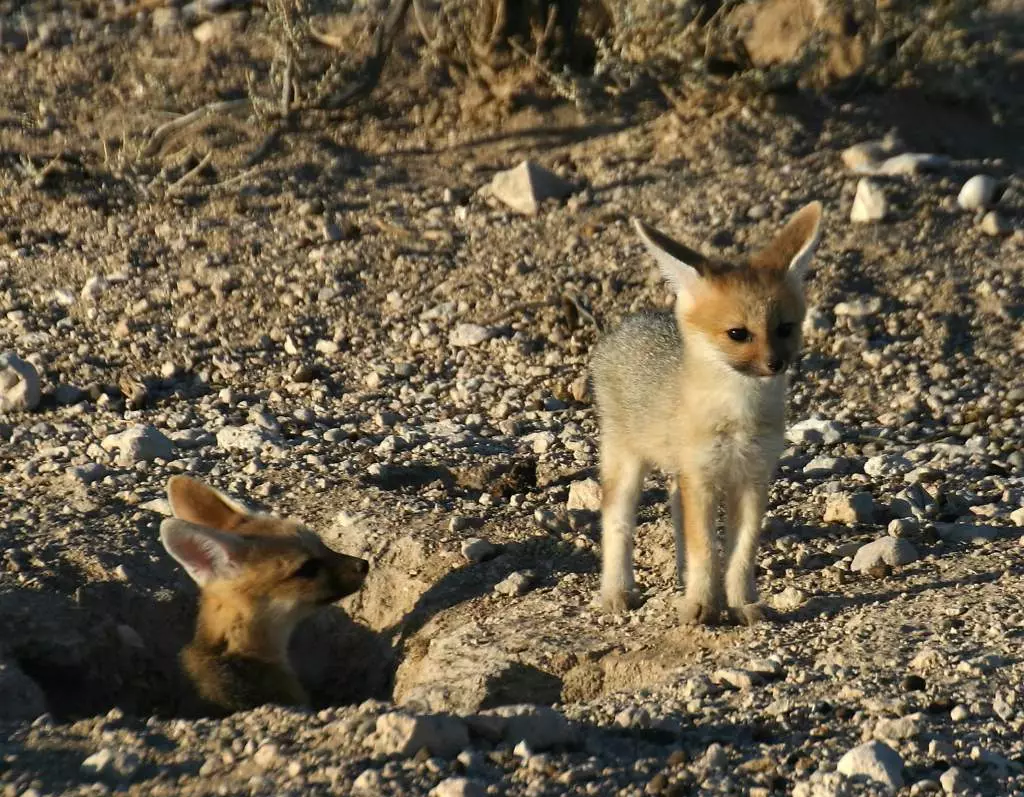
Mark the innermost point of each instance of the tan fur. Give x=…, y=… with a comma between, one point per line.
x=279, y=573
x=677, y=393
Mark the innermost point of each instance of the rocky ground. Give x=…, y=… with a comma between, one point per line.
x=358, y=331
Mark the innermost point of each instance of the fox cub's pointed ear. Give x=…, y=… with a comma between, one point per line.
x=206, y=554
x=792, y=248
x=195, y=502
x=680, y=265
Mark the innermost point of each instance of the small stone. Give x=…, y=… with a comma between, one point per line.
x=789, y=599
x=267, y=756
x=467, y=335
x=368, y=782
x=956, y=781
x=140, y=443
x=584, y=494
x=885, y=465
x=859, y=308
x=903, y=527
x=981, y=191
x=908, y=727
x=869, y=204
x=876, y=761
x=19, y=384
x=88, y=473
x=963, y=532
x=95, y=287
x=459, y=787
x=995, y=224
x=865, y=155
x=892, y=551
x=827, y=466
x=399, y=733
x=241, y=438
x=110, y=764
x=959, y=713
x=538, y=727
x=736, y=678
x=515, y=584
x=910, y=163
x=850, y=509
x=527, y=185
x=476, y=550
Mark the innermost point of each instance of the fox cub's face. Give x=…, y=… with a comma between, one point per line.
x=275, y=564
x=746, y=315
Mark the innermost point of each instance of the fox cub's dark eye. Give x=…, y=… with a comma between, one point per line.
x=784, y=330
x=738, y=334
x=308, y=569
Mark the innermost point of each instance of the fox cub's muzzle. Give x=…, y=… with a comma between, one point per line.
x=346, y=575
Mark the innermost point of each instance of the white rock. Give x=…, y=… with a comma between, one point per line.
x=459, y=787
x=906, y=727
x=515, y=584
x=850, y=509
x=737, y=678
x=865, y=155
x=1017, y=516
x=995, y=224
x=876, y=761
x=527, y=185
x=584, y=494
x=962, y=532
x=859, y=308
x=869, y=203
x=893, y=551
x=910, y=163
x=19, y=384
x=476, y=549
x=956, y=781
x=827, y=466
x=465, y=335
x=241, y=438
x=399, y=733
x=887, y=465
x=789, y=599
x=539, y=727
x=140, y=443
x=981, y=191
x=95, y=287
x=815, y=430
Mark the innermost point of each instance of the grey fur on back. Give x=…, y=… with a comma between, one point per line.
x=635, y=369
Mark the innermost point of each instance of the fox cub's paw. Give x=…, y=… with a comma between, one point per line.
x=749, y=613
x=619, y=600
x=696, y=612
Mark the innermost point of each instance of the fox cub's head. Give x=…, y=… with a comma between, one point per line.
x=747, y=314
x=274, y=564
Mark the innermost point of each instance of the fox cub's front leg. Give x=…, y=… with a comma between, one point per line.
x=621, y=481
x=703, y=598
x=746, y=506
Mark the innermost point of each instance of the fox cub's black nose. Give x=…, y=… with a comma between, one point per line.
x=776, y=364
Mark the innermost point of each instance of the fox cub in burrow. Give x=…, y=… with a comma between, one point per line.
x=700, y=393
x=258, y=576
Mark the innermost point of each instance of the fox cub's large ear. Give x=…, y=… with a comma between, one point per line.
x=793, y=247
x=206, y=554
x=680, y=266
x=195, y=502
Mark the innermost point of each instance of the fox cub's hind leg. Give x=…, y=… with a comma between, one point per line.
x=745, y=506
x=675, y=503
x=622, y=477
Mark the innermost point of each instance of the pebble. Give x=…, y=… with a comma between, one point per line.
x=140, y=443
x=908, y=727
x=476, y=550
x=515, y=584
x=399, y=733
x=956, y=781
x=527, y=185
x=995, y=224
x=869, y=203
x=249, y=437
x=20, y=389
x=850, y=509
x=959, y=713
x=789, y=599
x=584, y=494
x=467, y=335
x=893, y=551
x=981, y=191
x=459, y=787
x=876, y=761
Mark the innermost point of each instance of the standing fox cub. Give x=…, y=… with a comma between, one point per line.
x=258, y=576
x=700, y=393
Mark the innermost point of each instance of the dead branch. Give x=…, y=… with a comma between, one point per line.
x=190, y=174
x=162, y=133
